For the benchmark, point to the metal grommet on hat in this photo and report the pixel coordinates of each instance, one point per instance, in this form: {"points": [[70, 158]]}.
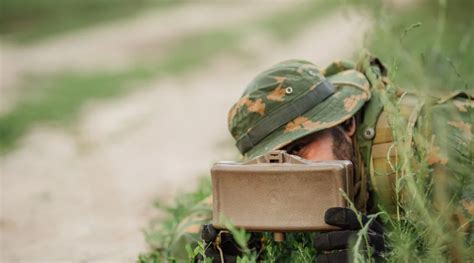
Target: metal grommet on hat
{"points": [[369, 133], [290, 100], [294, 108]]}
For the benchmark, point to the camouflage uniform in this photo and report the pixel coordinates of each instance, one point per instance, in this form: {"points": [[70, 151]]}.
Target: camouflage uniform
{"points": [[283, 87], [274, 111], [295, 98]]}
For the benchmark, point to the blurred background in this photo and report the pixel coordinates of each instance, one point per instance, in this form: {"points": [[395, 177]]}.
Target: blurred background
{"points": [[108, 105]]}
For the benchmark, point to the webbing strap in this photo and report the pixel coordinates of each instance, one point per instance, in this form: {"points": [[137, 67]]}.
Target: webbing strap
{"points": [[283, 115]]}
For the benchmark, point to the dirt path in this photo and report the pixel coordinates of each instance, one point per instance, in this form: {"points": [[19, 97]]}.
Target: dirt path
{"points": [[118, 44], [84, 195]]}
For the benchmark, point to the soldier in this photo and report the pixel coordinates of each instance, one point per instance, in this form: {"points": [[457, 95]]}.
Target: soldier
{"points": [[342, 112]]}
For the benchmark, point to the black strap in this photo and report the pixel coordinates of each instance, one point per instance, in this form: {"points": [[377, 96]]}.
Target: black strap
{"points": [[283, 115]]}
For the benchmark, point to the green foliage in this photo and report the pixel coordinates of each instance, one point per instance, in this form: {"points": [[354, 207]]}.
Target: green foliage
{"points": [[422, 230], [28, 20], [56, 100], [428, 50], [241, 237], [167, 236], [59, 98], [360, 249], [436, 54], [425, 47], [297, 247]]}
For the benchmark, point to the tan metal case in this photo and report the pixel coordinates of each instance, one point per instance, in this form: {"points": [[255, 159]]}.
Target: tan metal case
{"points": [[279, 192]]}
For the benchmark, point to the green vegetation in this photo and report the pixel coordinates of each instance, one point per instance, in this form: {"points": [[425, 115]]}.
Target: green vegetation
{"points": [[28, 20], [169, 242], [167, 237], [428, 49], [425, 227], [60, 97], [430, 45]]}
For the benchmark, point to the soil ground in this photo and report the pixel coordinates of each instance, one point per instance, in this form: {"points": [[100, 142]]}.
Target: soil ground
{"points": [[116, 45], [84, 193]]}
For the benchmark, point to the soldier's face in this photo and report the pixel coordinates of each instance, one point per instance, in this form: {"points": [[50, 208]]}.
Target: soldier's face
{"points": [[319, 149], [330, 144]]}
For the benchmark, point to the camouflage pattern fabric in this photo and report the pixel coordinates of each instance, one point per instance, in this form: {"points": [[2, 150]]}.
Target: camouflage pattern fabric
{"points": [[445, 124], [285, 83], [447, 132], [359, 90]]}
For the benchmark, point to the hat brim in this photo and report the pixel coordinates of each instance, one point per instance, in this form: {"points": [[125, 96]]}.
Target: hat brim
{"points": [[342, 105]]}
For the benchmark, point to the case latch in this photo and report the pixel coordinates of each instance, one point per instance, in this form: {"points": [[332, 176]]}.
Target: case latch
{"points": [[275, 157]]}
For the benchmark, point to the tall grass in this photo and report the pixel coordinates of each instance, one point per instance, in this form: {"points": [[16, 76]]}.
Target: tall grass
{"points": [[435, 55], [58, 98], [426, 47], [170, 240], [428, 50], [424, 229], [167, 234]]}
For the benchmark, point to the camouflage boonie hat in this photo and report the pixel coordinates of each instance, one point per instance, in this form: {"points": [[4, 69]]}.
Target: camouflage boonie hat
{"points": [[293, 99]]}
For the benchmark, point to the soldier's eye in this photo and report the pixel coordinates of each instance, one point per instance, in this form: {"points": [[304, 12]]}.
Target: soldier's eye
{"points": [[295, 148]]}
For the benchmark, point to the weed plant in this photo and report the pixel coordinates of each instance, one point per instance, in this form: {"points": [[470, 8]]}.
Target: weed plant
{"points": [[167, 235], [425, 47], [58, 98]]}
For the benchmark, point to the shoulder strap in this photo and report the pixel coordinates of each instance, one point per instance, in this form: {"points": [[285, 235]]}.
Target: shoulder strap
{"points": [[376, 73]]}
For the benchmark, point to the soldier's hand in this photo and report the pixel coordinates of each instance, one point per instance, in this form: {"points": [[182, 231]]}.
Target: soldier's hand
{"points": [[334, 246], [220, 244]]}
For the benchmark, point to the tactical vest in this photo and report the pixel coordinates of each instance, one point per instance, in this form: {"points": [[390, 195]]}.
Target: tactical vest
{"points": [[383, 159], [447, 127], [375, 154], [372, 136]]}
